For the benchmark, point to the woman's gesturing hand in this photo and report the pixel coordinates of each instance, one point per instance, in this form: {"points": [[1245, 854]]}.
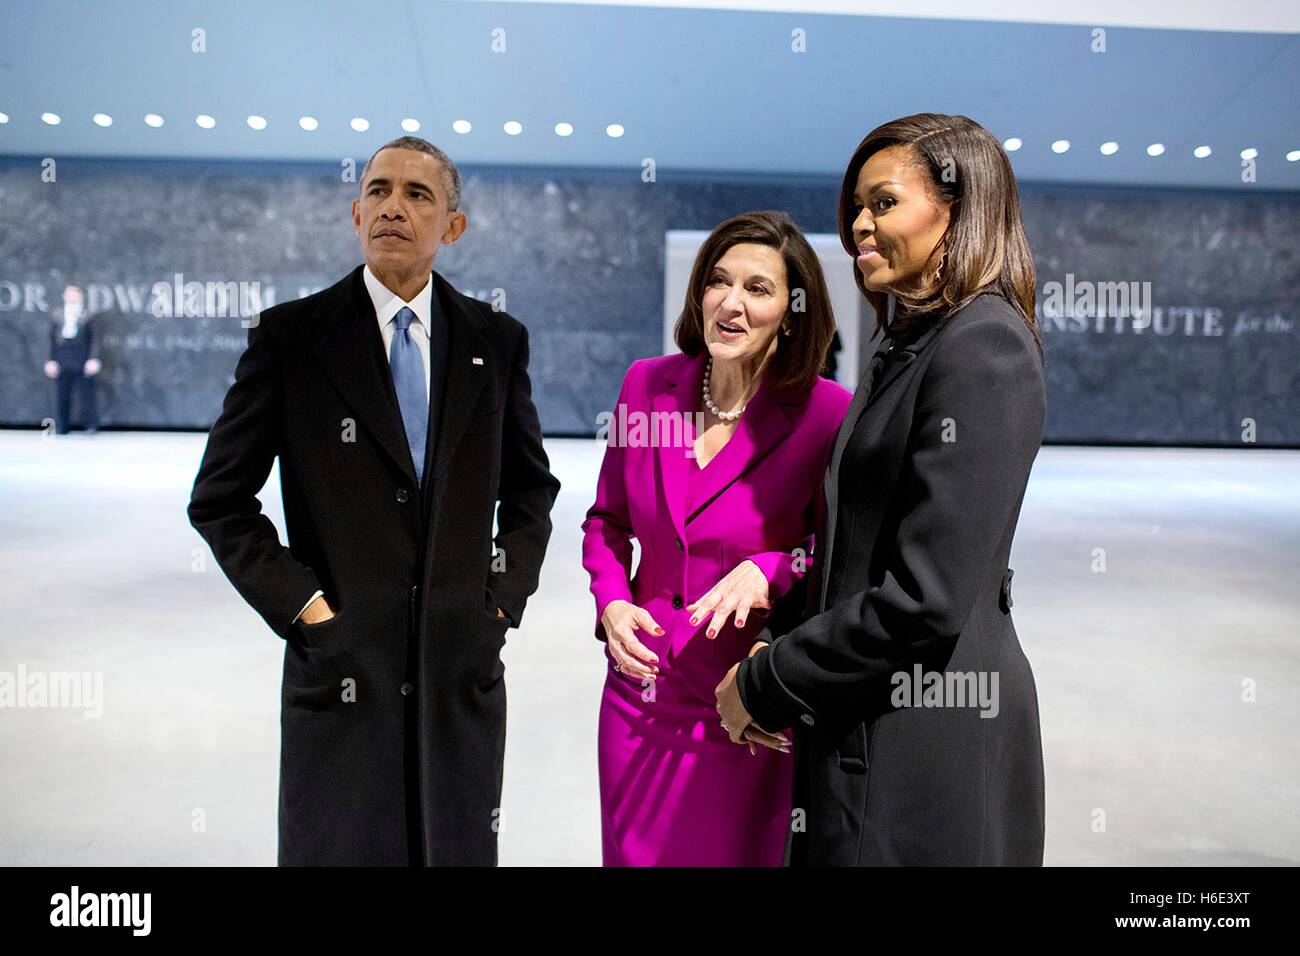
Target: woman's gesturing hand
{"points": [[621, 621], [744, 588]]}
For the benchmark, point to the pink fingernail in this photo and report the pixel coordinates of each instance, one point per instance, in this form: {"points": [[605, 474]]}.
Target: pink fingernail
{"points": [[740, 623]]}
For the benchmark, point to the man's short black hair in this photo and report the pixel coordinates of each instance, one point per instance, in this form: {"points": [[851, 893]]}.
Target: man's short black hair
{"points": [[450, 174]]}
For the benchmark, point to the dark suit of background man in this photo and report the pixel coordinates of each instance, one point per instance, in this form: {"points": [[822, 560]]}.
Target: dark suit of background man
{"points": [[74, 360], [393, 703]]}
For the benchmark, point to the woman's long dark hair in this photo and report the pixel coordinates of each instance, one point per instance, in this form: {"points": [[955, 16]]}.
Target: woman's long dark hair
{"points": [[984, 247]]}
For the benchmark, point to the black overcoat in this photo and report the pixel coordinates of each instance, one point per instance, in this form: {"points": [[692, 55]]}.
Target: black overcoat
{"points": [[393, 713], [923, 495]]}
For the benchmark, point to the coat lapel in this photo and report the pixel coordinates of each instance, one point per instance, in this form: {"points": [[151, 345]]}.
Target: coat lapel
{"points": [[674, 406], [768, 420], [465, 378], [867, 395], [351, 353]]}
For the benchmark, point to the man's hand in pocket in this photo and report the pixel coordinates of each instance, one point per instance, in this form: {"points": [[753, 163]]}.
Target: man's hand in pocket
{"points": [[317, 612]]}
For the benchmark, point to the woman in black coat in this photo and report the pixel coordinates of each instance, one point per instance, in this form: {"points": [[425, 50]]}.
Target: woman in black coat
{"points": [[914, 714]]}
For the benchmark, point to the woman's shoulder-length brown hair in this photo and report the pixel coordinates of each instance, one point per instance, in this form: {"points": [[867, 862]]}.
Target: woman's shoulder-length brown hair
{"points": [[800, 356], [984, 248]]}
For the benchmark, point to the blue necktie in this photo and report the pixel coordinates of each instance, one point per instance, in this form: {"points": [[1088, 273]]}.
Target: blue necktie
{"points": [[408, 380]]}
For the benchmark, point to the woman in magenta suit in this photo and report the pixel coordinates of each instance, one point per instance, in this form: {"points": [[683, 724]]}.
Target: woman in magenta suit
{"points": [[714, 464]]}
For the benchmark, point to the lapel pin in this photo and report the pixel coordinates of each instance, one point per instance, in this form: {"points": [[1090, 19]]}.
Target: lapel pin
{"points": [[476, 360]]}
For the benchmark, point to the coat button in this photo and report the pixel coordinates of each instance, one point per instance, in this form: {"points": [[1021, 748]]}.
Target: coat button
{"points": [[807, 719], [677, 602], [403, 496], [407, 688]]}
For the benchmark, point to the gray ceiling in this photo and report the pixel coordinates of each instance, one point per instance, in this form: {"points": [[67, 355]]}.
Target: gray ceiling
{"points": [[694, 89]]}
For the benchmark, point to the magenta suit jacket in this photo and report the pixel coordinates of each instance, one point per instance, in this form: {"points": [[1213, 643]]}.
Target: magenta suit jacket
{"points": [[757, 499]]}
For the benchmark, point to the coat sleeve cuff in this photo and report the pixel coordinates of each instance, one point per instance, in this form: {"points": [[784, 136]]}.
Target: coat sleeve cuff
{"points": [[766, 698], [513, 611], [778, 568], [319, 593]]}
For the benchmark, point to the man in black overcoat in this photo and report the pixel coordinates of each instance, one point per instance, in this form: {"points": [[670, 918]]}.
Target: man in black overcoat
{"points": [[393, 595]]}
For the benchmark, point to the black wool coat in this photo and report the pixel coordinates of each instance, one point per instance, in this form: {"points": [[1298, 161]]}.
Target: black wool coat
{"points": [[923, 495], [393, 713]]}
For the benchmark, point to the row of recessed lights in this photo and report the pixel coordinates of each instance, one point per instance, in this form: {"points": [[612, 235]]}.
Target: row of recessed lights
{"points": [[310, 123], [613, 130], [1155, 149]]}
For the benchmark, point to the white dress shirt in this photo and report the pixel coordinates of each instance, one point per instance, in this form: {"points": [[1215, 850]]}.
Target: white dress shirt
{"points": [[387, 304], [71, 317]]}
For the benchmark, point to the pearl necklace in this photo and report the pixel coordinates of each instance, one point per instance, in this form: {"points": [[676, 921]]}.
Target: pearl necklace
{"points": [[708, 400]]}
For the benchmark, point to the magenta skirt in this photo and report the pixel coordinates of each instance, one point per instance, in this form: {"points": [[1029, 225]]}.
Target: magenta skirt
{"points": [[674, 789]]}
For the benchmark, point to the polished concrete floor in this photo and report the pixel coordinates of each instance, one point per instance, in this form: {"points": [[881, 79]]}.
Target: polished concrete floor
{"points": [[1169, 682]]}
